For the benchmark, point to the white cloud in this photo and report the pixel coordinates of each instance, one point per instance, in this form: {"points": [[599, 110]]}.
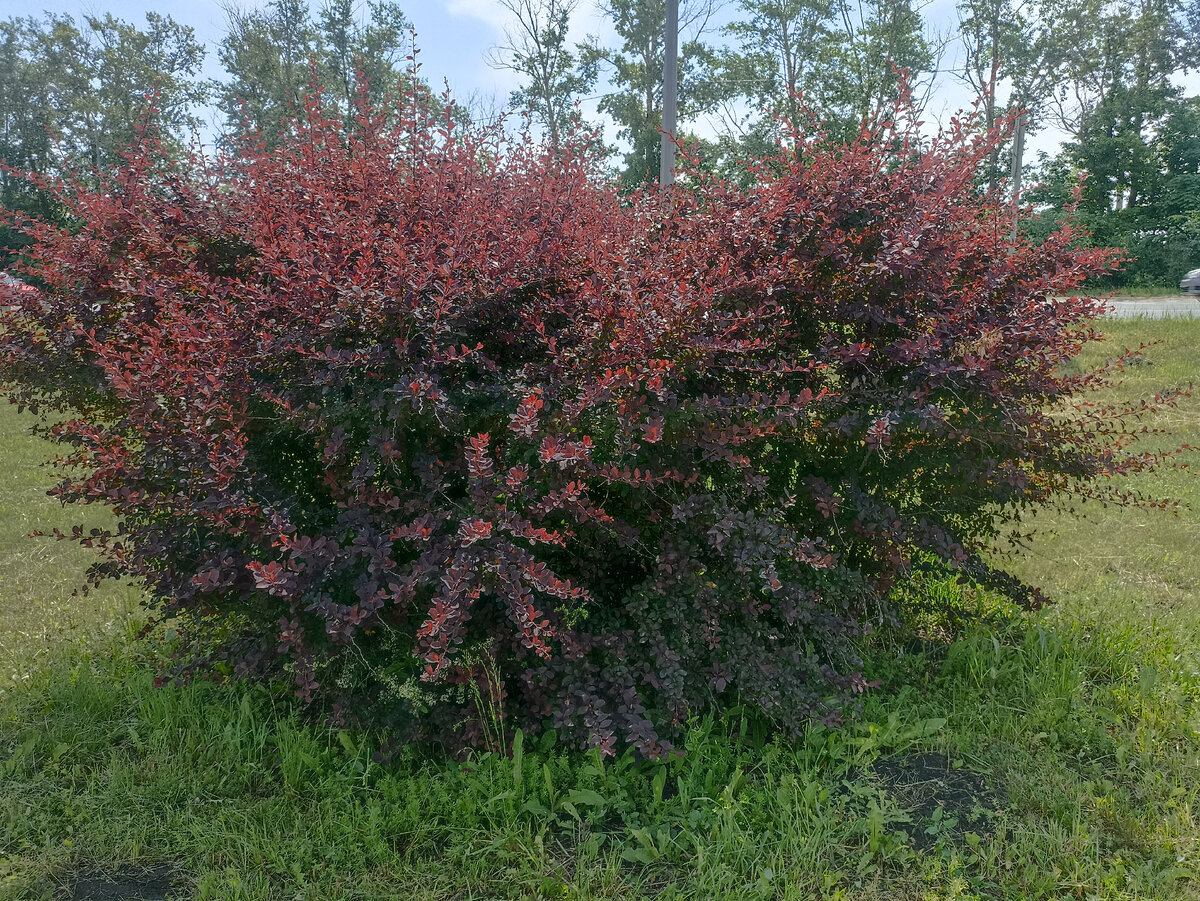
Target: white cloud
{"points": [[489, 11]]}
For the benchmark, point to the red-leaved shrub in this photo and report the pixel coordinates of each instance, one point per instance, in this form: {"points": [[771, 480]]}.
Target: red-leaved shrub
{"points": [[446, 429]]}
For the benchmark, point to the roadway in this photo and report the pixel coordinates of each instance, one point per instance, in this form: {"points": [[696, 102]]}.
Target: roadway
{"points": [[1154, 308]]}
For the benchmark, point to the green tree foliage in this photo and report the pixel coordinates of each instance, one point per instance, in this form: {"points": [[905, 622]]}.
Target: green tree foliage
{"points": [[1161, 231], [89, 83], [274, 54], [1135, 137], [25, 120], [1133, 46], [635, 69], [536, 49], [843, 56], [73, 94], [876, 39], [359, 53], [266, 53], [1006, 43], [781, 48]]}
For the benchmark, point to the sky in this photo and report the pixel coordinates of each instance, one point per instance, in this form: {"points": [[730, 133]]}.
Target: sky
{"points": [[456, 37]]}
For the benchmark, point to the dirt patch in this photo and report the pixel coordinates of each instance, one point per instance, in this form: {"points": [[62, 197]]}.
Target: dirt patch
{"points": [[130, 884], [942, 800]]}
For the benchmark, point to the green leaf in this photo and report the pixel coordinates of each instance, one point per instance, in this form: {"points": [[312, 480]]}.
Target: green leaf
{"points": [[534, 808], [659, 783], [518, 760], [585, 796], [933, 725], [638, 855]]}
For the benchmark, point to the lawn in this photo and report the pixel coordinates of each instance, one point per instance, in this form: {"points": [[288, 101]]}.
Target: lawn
{"points": [[1049, 755]]}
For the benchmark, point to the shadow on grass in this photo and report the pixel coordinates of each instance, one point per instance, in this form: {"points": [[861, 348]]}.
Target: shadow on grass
{"points": [[154, 884]]}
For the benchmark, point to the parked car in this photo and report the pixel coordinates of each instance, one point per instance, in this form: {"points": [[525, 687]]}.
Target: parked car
{"points": [[12, 287], [11, 281], [1191, 283]]}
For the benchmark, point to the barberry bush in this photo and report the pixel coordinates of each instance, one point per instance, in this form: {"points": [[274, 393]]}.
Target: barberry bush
{"points": [[446, 431]]}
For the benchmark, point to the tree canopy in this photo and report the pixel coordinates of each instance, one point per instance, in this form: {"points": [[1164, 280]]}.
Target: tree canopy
{"points": [[74, 90]]}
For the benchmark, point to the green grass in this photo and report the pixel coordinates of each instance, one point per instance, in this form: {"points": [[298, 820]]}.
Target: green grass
{"points": [[1142, 565], [38, 614], [1083, 720]]}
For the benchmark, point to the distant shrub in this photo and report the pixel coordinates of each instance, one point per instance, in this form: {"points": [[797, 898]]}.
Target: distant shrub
{"points": [[455, 435]]}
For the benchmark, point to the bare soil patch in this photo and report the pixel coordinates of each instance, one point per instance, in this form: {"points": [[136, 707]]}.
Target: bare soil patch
{"points": [[130, 884], [941, 799]]}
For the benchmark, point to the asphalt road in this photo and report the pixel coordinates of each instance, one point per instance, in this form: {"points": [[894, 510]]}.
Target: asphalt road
{"points": [[1155, 308]]}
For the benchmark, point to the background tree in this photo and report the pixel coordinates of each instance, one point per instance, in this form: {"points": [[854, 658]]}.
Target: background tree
{"points": [[536, 48], [266, 53], [780, 46], [1132, 133], [874, 40], [1159, 230], [843, 55], [1134, 46], [635, 72], [362, 52], [1006, 43], [272, 55], [74, 92], [25, 123], [94, 78]]}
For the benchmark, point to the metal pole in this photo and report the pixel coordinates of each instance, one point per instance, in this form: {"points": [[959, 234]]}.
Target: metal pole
{"points": [[1018, 153], [666, 168]]}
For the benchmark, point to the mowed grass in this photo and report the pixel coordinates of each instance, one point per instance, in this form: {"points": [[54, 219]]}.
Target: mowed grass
{"points": [[38, 577], [1054, 755], [1139, 562]]}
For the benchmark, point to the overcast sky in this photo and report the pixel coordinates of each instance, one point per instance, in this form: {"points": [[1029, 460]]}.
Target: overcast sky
{"points": [[456, 36]]}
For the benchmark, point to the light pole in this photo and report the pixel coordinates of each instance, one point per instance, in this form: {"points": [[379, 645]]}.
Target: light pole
{"points": [[666, 166], [1018, 153]]}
